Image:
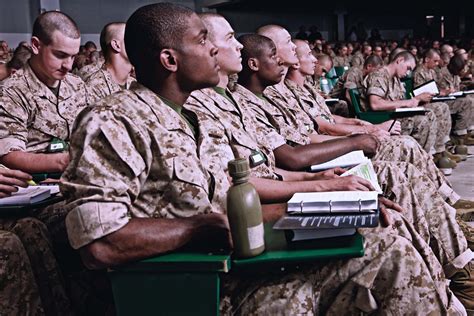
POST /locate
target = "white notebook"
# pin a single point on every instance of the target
(333, 202)
(429, 86)
(348, 160)
(28, 195)
(414, 109)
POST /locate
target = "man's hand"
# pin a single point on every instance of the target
(62, 160)
(385, 204)
(367, 143)
(349, 183)
(213, 231)
(396, 128)
(424, 97)
(9, 179)
(362, 122)
(329, 174)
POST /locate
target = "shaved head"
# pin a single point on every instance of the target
(286, 49)
(254, 46)
(114, 30)
(406, 55)
(49, 22)
(269, 30)
(209, 18)
(325, 61)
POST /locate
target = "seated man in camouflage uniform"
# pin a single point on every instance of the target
(114, 75)
(383, 91)
(143, 191)
(463, 107)
(360, 56)
(424, 214)
(354, 78)
(30, 279)
(341, 59)
(448, 80)
(233, 134)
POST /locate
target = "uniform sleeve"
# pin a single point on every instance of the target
(266, 130)
(351, 80)
(102, 179)
(419, 78)
(377, 85)
(13, 122)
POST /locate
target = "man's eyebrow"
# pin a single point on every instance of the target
(57, 51)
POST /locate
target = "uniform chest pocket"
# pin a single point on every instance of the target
(190, 172)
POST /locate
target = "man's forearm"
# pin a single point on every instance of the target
(34, 163)
(145, 237)
(301, 157)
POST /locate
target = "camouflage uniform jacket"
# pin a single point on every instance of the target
(294, 120)
(219, 117)
(358, 60)
(446, 80)
(267, 126)
(422, 75)
(85, 72)
(101, 84)
(380, 84)
(340, 61)
(312, 103)
(132, 156)
(31, 115)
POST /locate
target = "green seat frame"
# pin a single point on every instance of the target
(189, 283)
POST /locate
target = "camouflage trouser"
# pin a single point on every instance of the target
(35, 238)
(386, 279)
(430, 215)
(423, 128)
(443, 121)
(464, 109)
(19, 293)
(406, 149)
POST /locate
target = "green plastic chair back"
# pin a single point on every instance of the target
(341, 70)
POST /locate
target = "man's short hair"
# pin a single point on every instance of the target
(254, 45)
(373, 60)
(207, 18)
(406, 55)
(20, 57)
(48, 22)
(445, 57)
(152, 28)
(269, 30)
(108, 33)
(90, 44)
(445, 47)
(430, 53)
(324, 58)
(394, 53)
(456, 64)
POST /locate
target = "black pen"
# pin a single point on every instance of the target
(393, 123)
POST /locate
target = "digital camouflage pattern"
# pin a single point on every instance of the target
(31, 115)
(19, 294)
(463, 107)
(37, 243)
(101, 84)
(132, 156)
(358, 59)
(341, 61)
(421, 127)
(386, 279)
(86, 71)
(104, 193)
(281, 97)
(219, 115)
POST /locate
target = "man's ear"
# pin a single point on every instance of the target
(168, 59)
(35, 45)
(115, 44)
(253, 64)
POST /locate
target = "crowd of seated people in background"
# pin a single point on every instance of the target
(141, 131)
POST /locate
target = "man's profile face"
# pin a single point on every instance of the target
(433, 62)
(56, 59)
(378, 51)
(270, 69)
(343, 51)
(286, 49)
(367, 50)
(229, 57)
(404, 67)
(307, 61)
(197, 63)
